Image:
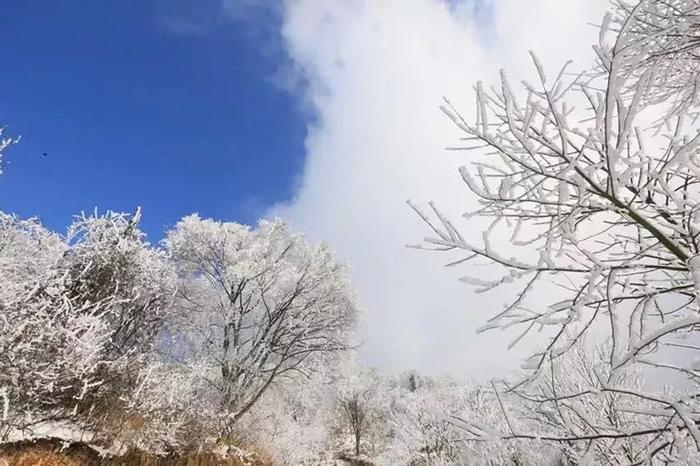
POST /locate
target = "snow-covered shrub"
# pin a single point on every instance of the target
(168, 410)
(30, 340)
(77, 317)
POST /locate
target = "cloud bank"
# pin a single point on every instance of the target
(374, 74)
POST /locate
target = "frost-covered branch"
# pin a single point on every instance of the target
(260, 305)
(590, 193)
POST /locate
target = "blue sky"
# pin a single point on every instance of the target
(170, 105)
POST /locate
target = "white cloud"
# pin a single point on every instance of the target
(376, 72)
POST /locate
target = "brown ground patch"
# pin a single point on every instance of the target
(53, 452)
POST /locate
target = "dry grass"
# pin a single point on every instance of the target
(195, 459)
(47, 452)
(52, 452)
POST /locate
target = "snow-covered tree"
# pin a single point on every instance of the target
(438, 421)
(360, 399)
(78, 316)
(577, 396)
(28, 257)
(661, 40)
(257, 305)
(293, 420)
(96, 337)
(424, 431)
(109, 263)
(591, 186)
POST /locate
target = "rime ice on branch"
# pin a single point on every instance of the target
(260, 305)
(598, 174)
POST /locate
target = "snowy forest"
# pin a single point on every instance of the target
(233, 344)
